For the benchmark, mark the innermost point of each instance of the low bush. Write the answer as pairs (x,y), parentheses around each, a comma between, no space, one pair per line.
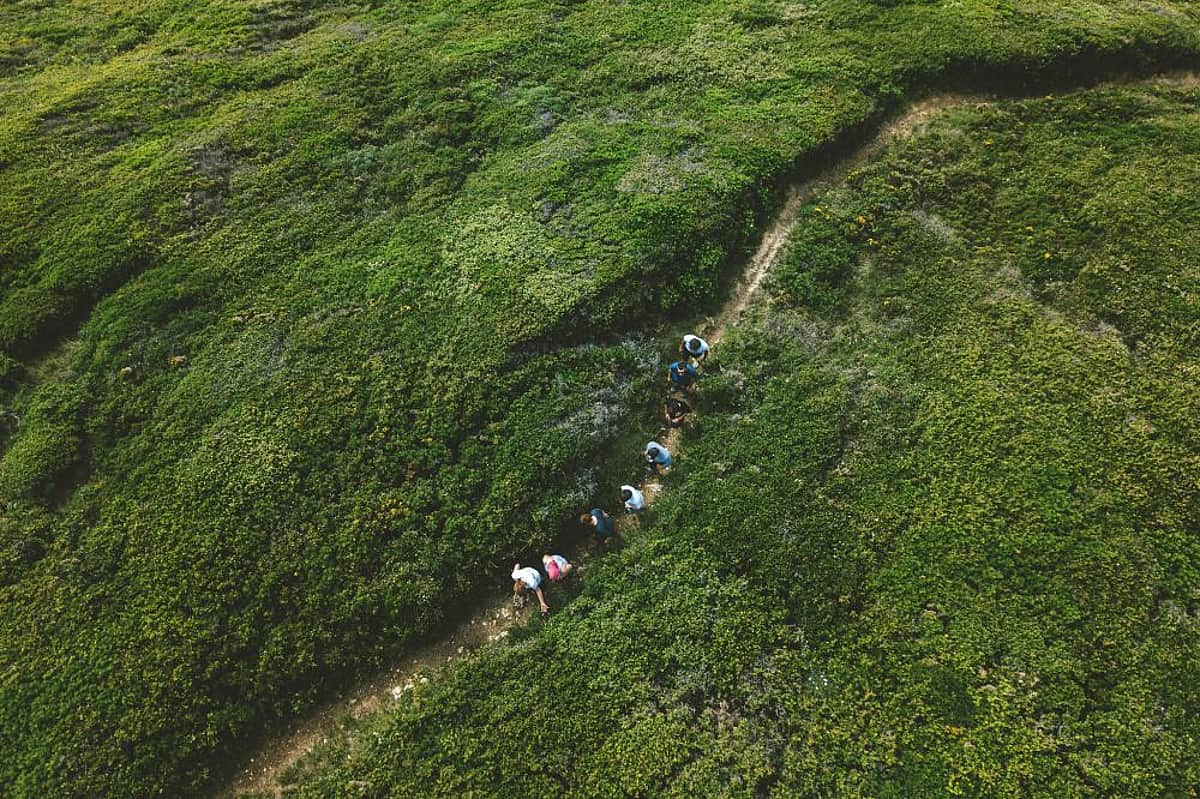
(934,533)
(314,314)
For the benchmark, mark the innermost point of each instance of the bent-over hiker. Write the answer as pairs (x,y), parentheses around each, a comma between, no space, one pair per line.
(681,376)
(694,347)
(602,525)
(675,411)
(529,579)
(634,500)
(557,567)
(658,457)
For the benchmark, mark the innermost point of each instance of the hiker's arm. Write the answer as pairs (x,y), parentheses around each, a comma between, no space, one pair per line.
(542,600)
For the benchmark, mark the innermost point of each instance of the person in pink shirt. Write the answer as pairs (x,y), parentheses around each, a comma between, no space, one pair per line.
(557,567)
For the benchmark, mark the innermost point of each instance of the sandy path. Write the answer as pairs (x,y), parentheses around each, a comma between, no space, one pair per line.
(260,774)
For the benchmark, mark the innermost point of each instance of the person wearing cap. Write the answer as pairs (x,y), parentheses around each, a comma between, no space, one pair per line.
(557,567)
(529,579)
(681,376)
(694,347)
(675,411)
(658,457)
(602,525)
(634,500)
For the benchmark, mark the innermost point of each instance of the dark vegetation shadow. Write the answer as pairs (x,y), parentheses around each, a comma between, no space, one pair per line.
(62,322)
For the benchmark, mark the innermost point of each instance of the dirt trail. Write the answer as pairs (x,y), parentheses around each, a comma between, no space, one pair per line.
(775,237)
(262,772)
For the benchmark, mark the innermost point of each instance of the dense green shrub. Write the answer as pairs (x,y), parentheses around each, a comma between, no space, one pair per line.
(313,313)
(935,537)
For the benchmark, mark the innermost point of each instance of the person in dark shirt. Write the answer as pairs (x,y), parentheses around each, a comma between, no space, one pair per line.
(601,524)
(675,411)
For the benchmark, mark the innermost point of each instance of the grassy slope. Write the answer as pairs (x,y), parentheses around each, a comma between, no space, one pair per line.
(324,209)
(942,538)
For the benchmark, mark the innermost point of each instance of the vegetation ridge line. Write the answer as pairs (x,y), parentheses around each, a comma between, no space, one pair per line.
(858,140)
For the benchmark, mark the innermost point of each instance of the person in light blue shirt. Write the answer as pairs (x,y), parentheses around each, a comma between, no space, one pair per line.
(658,456)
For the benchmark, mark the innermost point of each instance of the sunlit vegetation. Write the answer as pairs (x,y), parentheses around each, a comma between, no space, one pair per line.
(313,314)
(935,533)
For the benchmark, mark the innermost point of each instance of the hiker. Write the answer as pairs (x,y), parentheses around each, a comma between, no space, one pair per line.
(681,376)
(557,567)
(694,347)
(675,411)
(658,456)
(634,500)
(602,525)
(529,579)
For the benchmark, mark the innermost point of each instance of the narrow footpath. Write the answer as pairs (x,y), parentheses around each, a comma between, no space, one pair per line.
(261,773)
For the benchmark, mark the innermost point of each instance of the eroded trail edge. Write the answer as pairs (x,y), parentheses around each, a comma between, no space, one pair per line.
(263,770)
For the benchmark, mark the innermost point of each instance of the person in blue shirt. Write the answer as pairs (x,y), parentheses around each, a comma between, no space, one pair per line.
(681,376)
(602,526)
(658,456)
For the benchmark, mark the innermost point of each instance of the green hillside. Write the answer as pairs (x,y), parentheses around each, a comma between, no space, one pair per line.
(935,534)
(314,315)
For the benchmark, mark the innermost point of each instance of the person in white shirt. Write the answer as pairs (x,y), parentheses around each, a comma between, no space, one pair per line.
(694,347)
(529,579)
(634,500)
